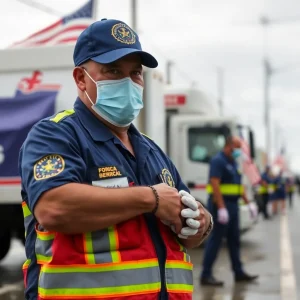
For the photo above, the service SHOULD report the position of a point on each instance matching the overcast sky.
(200, 36)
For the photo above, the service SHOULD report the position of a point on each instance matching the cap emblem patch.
(123, 34)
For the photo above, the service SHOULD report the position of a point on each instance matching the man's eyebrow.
(111, 65)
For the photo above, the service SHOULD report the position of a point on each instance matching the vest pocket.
(179, 276)
(104, 246)
(43, 244)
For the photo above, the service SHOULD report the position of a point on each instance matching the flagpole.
(134, 15)
(95, 9)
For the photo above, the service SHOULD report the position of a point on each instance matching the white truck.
(37, 82)
(195, 133)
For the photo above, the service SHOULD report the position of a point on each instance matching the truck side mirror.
(252, 144)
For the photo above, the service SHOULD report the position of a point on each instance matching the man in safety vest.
(225, 190)
(106, 213)
(266, 187)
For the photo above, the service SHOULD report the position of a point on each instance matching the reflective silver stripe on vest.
(27, 221)
(101, 246)
(99, 279)
(28, 217)
(179, 276)
(43, 245)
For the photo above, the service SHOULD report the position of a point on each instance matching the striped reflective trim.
(26, 264)
(26, 210)
(263, 190)
(179, 277)
(28, 216)
(186, 257)
(126, 278)
(88, 248)
(93, 293)
(102, 246)
(269, 189)
(180, 288)
(179, 264)
(60, 116)
(291, 188)
(114, 243)
(272, 188)
(227, 189)
(126, 265)
(43, 245)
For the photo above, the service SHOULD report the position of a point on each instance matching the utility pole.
(267, 78)
(220, 88)
(277, 137)
(134, 15)
(95, 9)
(264, 21)
(268, 71)
(168, 71)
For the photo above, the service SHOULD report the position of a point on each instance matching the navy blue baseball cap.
(106, 41)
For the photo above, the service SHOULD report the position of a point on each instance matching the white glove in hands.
(223, 216)
(189, 213)
(253, 210)
(188, 200)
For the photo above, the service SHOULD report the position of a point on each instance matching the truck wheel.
(4, 243)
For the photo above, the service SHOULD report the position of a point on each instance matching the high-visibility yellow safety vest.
(114, 263)
(227, 189)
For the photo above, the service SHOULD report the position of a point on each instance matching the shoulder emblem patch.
(48, 166)
(123, 34)
(167, 177)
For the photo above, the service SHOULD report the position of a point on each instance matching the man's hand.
(253, 210)
(223, 216)
(197, 219)
(169, 208)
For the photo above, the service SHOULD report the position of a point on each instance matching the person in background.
(290, 187)
(225, 190)
(280, 192)
(264, 191)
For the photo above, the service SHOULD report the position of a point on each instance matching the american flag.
(280, 160)
(249, 167)
(64, 31)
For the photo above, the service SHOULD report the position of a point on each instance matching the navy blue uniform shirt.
(71, 147)
(226, 170)
(266, 177)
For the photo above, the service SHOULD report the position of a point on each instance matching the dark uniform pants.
(214, 242)
(290, 194)
(265, 200)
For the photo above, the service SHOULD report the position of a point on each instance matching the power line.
(41, 7)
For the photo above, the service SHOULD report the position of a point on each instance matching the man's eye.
(114, 71)
(137, 73)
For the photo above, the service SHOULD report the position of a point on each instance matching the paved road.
(261, 253)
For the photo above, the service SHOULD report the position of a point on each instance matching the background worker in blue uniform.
(264, 191)
(290, 187)
(225, 190)
(280, 192)
(70, 162)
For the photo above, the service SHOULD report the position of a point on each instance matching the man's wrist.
(221, 205)
(148, 198)
(209, 227)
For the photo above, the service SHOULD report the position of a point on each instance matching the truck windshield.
(205, 142)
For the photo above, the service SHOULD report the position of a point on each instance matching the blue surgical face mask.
(236, 153)
(118, 101)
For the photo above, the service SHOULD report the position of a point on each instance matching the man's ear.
(78, 75)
